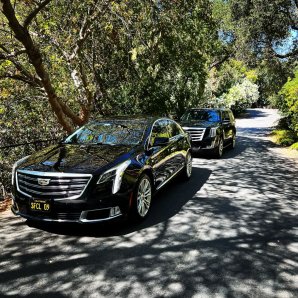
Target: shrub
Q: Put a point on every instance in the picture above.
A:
(284, 137)
(294, 146)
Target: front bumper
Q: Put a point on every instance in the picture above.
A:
(208, 143)
(75, 211)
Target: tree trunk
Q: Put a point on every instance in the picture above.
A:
(66, 117)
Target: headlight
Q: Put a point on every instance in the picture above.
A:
(115, 174)
(17, 163)
(212, 132)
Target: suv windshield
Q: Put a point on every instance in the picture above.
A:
(201, 115)
(115, 132)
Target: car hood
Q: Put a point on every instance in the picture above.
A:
(201, 124)
(87, 159)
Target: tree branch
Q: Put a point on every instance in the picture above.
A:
(35, 57)
(29, 77)
(85, 30)
(18, 78)
(221, 61)
(33, 14)
(12, 54)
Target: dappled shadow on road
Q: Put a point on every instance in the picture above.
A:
(233, 235)
(252, 131)
(229, 153)
(253, 113)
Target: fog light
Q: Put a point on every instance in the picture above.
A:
(115, 211)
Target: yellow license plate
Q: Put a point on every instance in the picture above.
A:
(40, 205)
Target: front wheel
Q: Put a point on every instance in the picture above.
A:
(218, 151)
(233, 142)
(187, 170)
(142, 197)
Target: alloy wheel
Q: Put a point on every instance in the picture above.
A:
(188, 165)
(220, 147)
(234, 141)
(144, 197)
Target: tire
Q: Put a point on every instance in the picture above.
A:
(218, 151)
(142, 198)
(233, 142)
(187, 170)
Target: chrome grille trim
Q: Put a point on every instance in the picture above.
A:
(46, 187)
(63, 185)
(54, 180)
(195, 133)
(51, 193)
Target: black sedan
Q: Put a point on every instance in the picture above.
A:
(105, 170)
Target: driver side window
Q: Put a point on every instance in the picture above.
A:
(226, 116)
(159, 130)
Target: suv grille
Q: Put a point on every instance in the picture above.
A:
(195, 133)
(51, 185)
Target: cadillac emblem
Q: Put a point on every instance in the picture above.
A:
(43, 182)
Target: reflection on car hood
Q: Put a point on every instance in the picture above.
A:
(201, 124)
(76, 158)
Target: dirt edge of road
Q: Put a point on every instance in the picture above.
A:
(5, 204)
(284, 151)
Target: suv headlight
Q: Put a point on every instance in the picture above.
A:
(15, 165)
(115, 174)
(212, 132)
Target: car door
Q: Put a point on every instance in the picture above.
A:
(177, 145)
(159, 155)
(227, 126)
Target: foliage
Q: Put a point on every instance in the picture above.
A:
(233, 85)
(265, 29)
(294, 146)
(289, 94)
(129, 55)
(242, 95)
(287, 102)
(272, 75)
(23, 119)
(284, 137)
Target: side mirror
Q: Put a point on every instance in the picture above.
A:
(161, 141)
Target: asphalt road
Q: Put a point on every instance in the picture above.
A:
(231, 231)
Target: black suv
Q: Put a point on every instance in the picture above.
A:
(210, 129)
(104, 170)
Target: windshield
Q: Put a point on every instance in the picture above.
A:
(201, 115)
(115, 132)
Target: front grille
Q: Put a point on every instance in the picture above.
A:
(195, 133)
(51, 185)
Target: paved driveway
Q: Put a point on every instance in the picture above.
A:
(229, 232)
